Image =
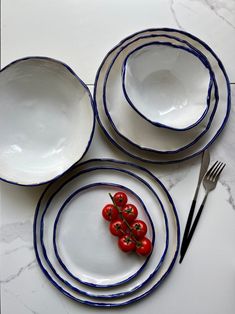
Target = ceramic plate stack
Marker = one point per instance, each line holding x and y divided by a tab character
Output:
162	95
73	245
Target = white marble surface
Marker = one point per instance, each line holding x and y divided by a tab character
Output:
80	33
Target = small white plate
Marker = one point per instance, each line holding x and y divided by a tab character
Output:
217	124
167	85
46	121
173	224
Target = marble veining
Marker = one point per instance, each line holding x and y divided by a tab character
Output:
230	199
224	10
220	5
16	296
173	11
22	230
21	269
11	251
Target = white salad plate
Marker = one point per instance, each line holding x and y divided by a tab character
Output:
159	205
82	251
47	120
107	266
217	120
167	85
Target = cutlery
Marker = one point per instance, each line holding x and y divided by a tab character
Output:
204	166
209	182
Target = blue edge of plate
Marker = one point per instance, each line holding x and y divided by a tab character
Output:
100	304
57	219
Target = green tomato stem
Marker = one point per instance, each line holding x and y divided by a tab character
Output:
126	222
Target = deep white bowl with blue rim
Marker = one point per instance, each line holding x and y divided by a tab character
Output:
167	85
47	120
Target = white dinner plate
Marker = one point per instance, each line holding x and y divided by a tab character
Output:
217	123
83	244
153	184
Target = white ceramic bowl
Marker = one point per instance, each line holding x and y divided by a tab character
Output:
167	85
46	120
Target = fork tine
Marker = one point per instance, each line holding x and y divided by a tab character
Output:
211	169
217	174
212	174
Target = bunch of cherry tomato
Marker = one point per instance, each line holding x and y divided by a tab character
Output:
123	224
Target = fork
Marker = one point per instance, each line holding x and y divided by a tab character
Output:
209	182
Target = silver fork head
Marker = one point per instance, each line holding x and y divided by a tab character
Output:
211	177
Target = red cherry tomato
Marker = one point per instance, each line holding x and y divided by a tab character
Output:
126	243
118	228
120	199
144	247
130	212
138	228
109	212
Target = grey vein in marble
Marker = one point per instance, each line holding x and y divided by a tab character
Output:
230	200
17	297
215	6
9	252
22	230
22	269
174	14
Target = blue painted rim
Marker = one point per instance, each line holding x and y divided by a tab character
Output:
169	30
114	295
91	103
212	79
67	201
197	55
157	284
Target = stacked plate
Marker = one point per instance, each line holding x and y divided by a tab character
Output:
162	95
73	245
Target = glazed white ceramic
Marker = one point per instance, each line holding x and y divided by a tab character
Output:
128	123
167	85
168	261
46	120
84	243
102	262
218	121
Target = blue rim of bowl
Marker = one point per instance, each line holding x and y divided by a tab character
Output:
155	123
67	201
169	30
113	295
91	103
212	79
135	299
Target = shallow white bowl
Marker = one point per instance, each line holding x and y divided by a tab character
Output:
167	85
46	120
